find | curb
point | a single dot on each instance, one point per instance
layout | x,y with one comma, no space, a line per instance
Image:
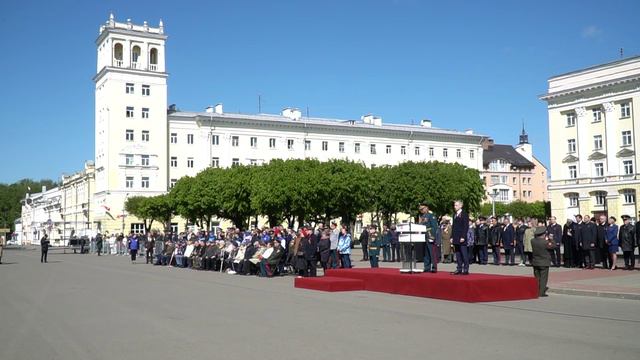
602,294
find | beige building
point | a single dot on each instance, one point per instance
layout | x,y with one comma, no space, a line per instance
593,143
76,202
513,173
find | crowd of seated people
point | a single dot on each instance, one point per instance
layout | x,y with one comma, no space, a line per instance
263,252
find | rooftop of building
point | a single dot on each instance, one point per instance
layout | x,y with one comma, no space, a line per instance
598,66
507,153
365,122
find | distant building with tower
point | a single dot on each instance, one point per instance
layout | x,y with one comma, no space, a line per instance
513,173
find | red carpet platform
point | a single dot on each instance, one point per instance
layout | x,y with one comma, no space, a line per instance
329,283
469,288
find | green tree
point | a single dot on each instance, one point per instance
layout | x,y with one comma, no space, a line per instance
233,185
139,206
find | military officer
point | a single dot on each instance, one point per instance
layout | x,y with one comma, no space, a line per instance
628,242
482,237
374,246
541,245
427,219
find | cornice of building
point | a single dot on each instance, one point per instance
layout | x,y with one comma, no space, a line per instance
127,71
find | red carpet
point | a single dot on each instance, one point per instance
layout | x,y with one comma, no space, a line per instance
329,283
469,288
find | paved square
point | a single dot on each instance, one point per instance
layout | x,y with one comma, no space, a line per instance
89,307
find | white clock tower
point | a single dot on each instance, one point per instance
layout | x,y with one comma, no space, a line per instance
130,119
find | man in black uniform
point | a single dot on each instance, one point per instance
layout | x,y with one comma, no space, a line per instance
44,247
628,242
588,235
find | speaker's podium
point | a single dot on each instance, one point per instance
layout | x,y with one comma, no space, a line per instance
412,242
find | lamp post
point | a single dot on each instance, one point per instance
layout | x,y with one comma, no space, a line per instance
126,196
493,195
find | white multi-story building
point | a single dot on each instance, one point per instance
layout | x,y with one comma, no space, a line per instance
42,213
130,116
141,149
593,130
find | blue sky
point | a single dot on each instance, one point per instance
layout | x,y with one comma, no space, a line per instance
463,64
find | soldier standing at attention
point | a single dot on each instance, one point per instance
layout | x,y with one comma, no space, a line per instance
44,247
541,245
374,246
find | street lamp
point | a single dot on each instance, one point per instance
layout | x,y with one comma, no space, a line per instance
493,195
126,196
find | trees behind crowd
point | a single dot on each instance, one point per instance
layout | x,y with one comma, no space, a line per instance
307,190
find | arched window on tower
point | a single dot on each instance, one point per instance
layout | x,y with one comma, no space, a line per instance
135,56
117,55
153,59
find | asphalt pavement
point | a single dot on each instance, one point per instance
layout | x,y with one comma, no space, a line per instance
89,307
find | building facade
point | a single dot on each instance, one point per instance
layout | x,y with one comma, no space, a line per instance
593,129
513,173
42,214
143,149
76,203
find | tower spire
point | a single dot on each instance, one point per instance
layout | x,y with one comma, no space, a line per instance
524,138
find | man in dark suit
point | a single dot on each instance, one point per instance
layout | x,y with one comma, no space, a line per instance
540,245
309,246
508,242
554,230
459,231
577,236
601,239
588,234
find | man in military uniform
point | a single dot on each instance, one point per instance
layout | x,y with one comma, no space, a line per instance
375,242
555,233
482,240
427,219
628,243
540,246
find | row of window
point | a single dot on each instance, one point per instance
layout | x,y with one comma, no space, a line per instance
129,135
596,114
215,162
628,195
129,182
130,113
253,142
627,166
129,88
502,179
129,160
627,140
